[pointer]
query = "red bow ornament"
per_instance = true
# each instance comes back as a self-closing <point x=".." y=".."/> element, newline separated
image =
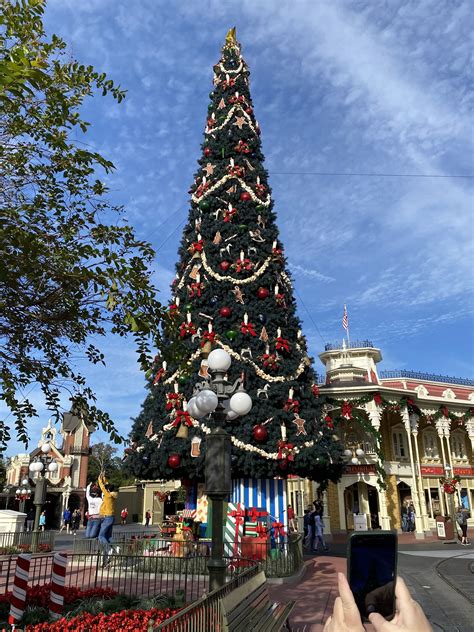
<point x="173" y="400"/>
<point x="229" y="214"/>
<point x="315" y="390"/>
<point x="377" y="399"/>
<point x="195" y="289"/>
<point x="236" y="99"/>
<point x="208" y="336"/>
<point x="195" y="247"/>
<point x="260" y="188"/>
<point x="243" y="265"/>
<point x="329" y="422"/>
<point x="187" y="329"/>
<point x="445" y="411"/>
<point x="282" y="345"/>
<point x="182" y="417"/>
<point x="202" y="188"/>
<point x="236" y="170"/>
<point x="270" y="361"/>
<point x="346" y="410"/>
<point x="262" y="531"/>
<point x="242" y="147"/>
<point x="278" y="529"/>
<point x="277" y="253"/>
<point x="280" y="300"/>
<point x="253" y="513"/>
<point x="247" y="328"/>
<point x="228" y="83"/>
<point x="292" y="406"/>
<point x="285" y="451"/>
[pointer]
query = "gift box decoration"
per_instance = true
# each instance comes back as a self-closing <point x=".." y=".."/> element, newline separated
<point x="234" y="527"/>
<point x="263" y="494"/>
<point x="251" y="529"/>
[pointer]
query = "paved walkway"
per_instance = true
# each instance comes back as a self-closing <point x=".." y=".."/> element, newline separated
<point x="439" y="576"/>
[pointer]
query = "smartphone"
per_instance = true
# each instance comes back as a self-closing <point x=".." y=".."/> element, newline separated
<point x="372" y="571"/>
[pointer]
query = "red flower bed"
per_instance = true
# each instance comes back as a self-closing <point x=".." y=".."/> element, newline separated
<point x="39" y="595"/>
<point x="126" y="621"/>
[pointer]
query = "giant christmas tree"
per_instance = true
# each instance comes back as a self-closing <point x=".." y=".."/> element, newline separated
<point x="232" y="291"/>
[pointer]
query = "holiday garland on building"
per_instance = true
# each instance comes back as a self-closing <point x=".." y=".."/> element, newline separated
<point x="232" y="291"/>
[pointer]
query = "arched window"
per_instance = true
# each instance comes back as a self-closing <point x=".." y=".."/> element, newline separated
<point x="399" y="443"/>
<point x="430" y="444"/>
<point x="458" y="445"/>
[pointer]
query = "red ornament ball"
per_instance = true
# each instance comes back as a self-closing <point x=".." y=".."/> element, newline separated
<point x="263" y="293"/>
<point x="245" y="197"/>
<point x="207" y="151"/>
<point x="224" y="265"/>
<point x="174" y="460"/>
<point x="260" y="433"/>
<point x="225" y="312"/>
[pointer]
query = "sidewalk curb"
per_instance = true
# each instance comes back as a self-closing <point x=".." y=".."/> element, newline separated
<point x="288" y="580"/>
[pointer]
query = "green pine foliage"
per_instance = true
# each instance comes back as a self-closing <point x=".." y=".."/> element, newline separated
<point x="232" y="213"/>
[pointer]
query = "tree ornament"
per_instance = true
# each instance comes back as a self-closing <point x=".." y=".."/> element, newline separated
<point x="240" y="121"/>
<point x="194" y="272"/>
<point x="245" y="197"/>
<point x="214" y="300"/>
<point x="300" y="429"/>
<point x="182" y="379"/>
<point x="225" y="312"/>
<point x="260" y="433"/>
<point x="242" y="227"/>
<point x="217" y="238"/>
<point x="207" y="152"/>
<point x="231" y="335"/>
<point x="239" y="296"/>
<point x="263" y="335"/>
<point x="174" y="461"/>
<point x="196" y="447"/>
<point x="209" y="169"/>
<point x="221" y="105"/>
<point x="346" y="410"/>
<point x="224" y="265"/>
<point x="262" y="318"/>
<point x="204" y="205"/>
<point x="329" y="422"/>
<point x="377" y="399"/>
<point x="183" y="432"/>
<point x="315" y="390"/>
<point x="263" y="293"/>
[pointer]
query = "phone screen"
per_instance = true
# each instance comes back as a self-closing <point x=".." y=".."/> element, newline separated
<point x="372" y="571"/>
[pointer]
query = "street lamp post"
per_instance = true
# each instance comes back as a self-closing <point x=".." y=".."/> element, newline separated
<point x="450" y="505"/>
<point x="223" y="401"/>
<point x="40" y="464"/>
<point x="23" y="494"/>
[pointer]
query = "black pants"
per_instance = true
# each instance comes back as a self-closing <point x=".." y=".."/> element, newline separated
<point x="464" y="530"/>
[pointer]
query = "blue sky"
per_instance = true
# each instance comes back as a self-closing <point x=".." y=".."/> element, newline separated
<point x="338" y="87"/>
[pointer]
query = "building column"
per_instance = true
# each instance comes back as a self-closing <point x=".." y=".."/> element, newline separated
<point x="470" y="431"/>
<point x="374" y="414"/>
<point x="419" y="533"/>
<point x="414" y="419"/>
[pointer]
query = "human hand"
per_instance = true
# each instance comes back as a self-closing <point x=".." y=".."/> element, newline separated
<point x="409" y="616"/>
<point x="345" y="616"/>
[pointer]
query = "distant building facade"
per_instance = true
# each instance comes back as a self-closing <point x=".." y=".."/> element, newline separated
<point x="66" y="486"/>
<point x="426" y="434"/>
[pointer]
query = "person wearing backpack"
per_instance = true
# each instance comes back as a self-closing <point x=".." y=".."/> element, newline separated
<point x="462" y="516"/>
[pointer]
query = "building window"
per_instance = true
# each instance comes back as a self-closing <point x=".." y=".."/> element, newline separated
<point x="399" y="444"/>
<point x="430" y="441"/>
<point x="458" y="446"/>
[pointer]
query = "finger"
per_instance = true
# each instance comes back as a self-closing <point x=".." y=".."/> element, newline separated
<point x="402" y="593"/>
<point x="351" y="611"/>
<point x="380" y="624"/>
<point x="327" y="627"/>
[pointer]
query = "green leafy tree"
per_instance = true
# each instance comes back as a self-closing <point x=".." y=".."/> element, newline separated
<point x="71" y="270"/>
<point x="233" y="290"/>
<point x="104" y="459"/>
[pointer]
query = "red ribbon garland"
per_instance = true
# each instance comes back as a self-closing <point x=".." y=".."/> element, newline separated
<point x="247" y="328"/>
<point x="278" y="529"/>
<point x="282" y="345"/>
<point x="182" y="417"/>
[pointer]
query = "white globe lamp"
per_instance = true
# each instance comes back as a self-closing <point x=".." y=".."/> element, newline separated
<point x="45" y="448"/>
<point x="53" y="466"/>
<point x="18" y="492"/>
<point x="241" y="403"/>
<point x="24" y="491"/>
<point x="360" y="452"/>
<point x="231" y="415"/>
<point x="25" y="482"/>
<point x="193" y="410"/>
<point x="355" y="461"/>
<point x="206" y="401"/>
<point x="347" y="452"/>
<point x="219" y="360"/>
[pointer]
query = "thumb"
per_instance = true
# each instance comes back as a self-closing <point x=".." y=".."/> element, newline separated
<point x="380" y="624"/>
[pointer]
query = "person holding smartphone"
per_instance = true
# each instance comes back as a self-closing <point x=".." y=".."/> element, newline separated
<point x="409" y="617"/>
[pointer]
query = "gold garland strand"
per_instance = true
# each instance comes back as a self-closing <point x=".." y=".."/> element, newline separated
<point x="244" y="186"/>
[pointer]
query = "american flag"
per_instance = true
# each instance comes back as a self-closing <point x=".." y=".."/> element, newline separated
<point x="345" y="319"/>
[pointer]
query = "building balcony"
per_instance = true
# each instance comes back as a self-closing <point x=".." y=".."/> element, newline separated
<point x="79" y="451"/>
<point x="428" y="377"/>
<point x="354" y="344"/>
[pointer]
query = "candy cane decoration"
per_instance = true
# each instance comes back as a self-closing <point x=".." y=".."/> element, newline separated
<point x="56" y="596"/>
<point x="20" y="584"/>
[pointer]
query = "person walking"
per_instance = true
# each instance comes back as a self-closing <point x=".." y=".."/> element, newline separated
<point x="309" y="540"/>
<point x="462" y="516"/>
<point x="76" y="521"/>
<point x="124" y="516"/>
<point x="30" y="519"/>
<point x="42" y="521"/>
<point x="67" y="515"/>
<point x="147" y="518"/>
<point x="319" y="533"/>
<point x="107" y="510"/>
<point x="94" y="502"/>
<point x="307" y="513"/>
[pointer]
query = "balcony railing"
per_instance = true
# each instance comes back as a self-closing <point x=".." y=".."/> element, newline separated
<point x="354" y="344"/>
<point x="79" y="451"/>
<point x="429" y="377"/>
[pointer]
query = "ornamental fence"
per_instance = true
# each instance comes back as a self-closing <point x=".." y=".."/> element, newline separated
<point x="20" y="542"/>
<point x="185" y="579"/>
<point x="278" y="558"/>
<point x="205" y="614"/>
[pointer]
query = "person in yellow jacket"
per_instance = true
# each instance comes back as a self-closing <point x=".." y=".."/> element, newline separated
<point x="106" y="512"/>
